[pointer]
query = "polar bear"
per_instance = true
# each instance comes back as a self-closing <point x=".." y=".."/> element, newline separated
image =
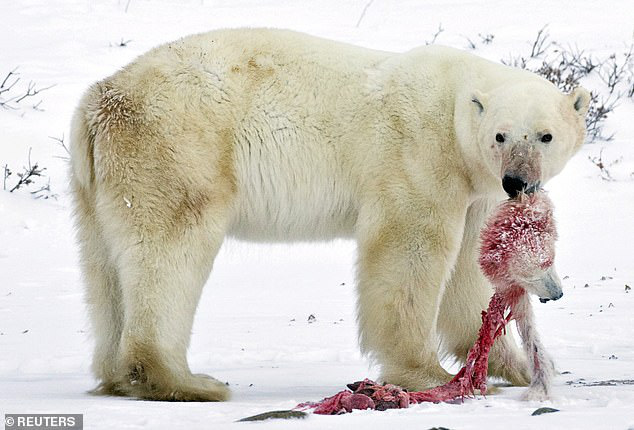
<point x="272" y="135"/>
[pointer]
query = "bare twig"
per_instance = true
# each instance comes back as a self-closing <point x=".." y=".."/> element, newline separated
<point x="541" y="43"/>
<point x="30" y="172"/>
<point x="8" y="84"/>
<point x="486" y="38"/>
<point x="433" y="40"/>
<point x="30" y="92"/>
<point x="44" y="192"/>
<point x="6" y="174"/>
<point x="597" y="113"/>
<point x="470" y="45"/>
<point x="574" y="58"/>
<point x="37" y="107"/>
<point x="60" y="142"/>
<point x="560" y="75"/>
<point x="365" y="9"/>
<point x="4" y="87"/>
<point x="612" y="73"/>
<point x="122" y="43"/>
<point x="517" y="61"/>
<point x="603" y="167"/>
<point x="26" y="178"/>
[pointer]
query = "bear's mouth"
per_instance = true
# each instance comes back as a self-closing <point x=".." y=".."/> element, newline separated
<point x="545" y="300"/>
<point x="548" y="286"/>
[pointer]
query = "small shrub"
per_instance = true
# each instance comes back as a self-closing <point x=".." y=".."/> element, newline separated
<point x="27" y="178"/>
<point x="11" y="96"/>
<point x="565" y="67"/>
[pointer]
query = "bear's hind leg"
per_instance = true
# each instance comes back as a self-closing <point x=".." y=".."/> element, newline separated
<point x="103" y="292"/>
<point x="162" y="276"/>
<point x="164" y="231"/>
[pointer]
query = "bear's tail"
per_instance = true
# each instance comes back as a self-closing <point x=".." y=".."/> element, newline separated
<point x="84" y="129"/>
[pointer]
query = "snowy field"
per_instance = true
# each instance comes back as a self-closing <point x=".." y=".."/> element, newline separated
<point x="252" y="326"/>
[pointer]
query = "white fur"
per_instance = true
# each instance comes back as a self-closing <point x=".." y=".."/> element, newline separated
<point x="541" y="364"/>
<point x="273" y="135"/>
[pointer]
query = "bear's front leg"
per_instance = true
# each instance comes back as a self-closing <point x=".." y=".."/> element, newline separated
<point x="406" y="254"/>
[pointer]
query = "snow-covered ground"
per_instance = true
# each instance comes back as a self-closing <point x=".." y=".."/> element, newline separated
<point x="252" y="326"/>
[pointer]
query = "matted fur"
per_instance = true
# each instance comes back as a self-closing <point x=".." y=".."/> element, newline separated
<point x="272" y="135"/>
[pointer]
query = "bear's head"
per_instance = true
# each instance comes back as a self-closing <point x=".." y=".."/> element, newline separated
<point x="526" y="132"/>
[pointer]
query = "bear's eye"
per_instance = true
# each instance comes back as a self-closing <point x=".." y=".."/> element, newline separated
<point x="547" y="138"/>
<point x="499" y="138"/>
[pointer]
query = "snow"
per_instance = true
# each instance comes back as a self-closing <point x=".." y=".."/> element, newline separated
<point x="252" y="326"/>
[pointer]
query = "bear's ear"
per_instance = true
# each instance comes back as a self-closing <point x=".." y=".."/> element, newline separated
<point x="580" y="98"/>
<point x="480" y="100"/>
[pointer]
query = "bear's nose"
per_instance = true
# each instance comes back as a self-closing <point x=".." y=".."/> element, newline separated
<point x="513" y="185"/>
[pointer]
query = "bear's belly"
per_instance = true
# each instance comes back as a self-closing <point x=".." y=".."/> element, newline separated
<point x="276" y="221"/>
<point x="276" y="212"/>
<point x="292" y="192"/>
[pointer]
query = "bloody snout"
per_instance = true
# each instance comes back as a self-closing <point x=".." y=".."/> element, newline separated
<point x="514" y="184"/>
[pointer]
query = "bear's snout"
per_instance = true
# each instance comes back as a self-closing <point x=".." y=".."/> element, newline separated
<point x="513" y="185"/>
<point x="521" y="169"/>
